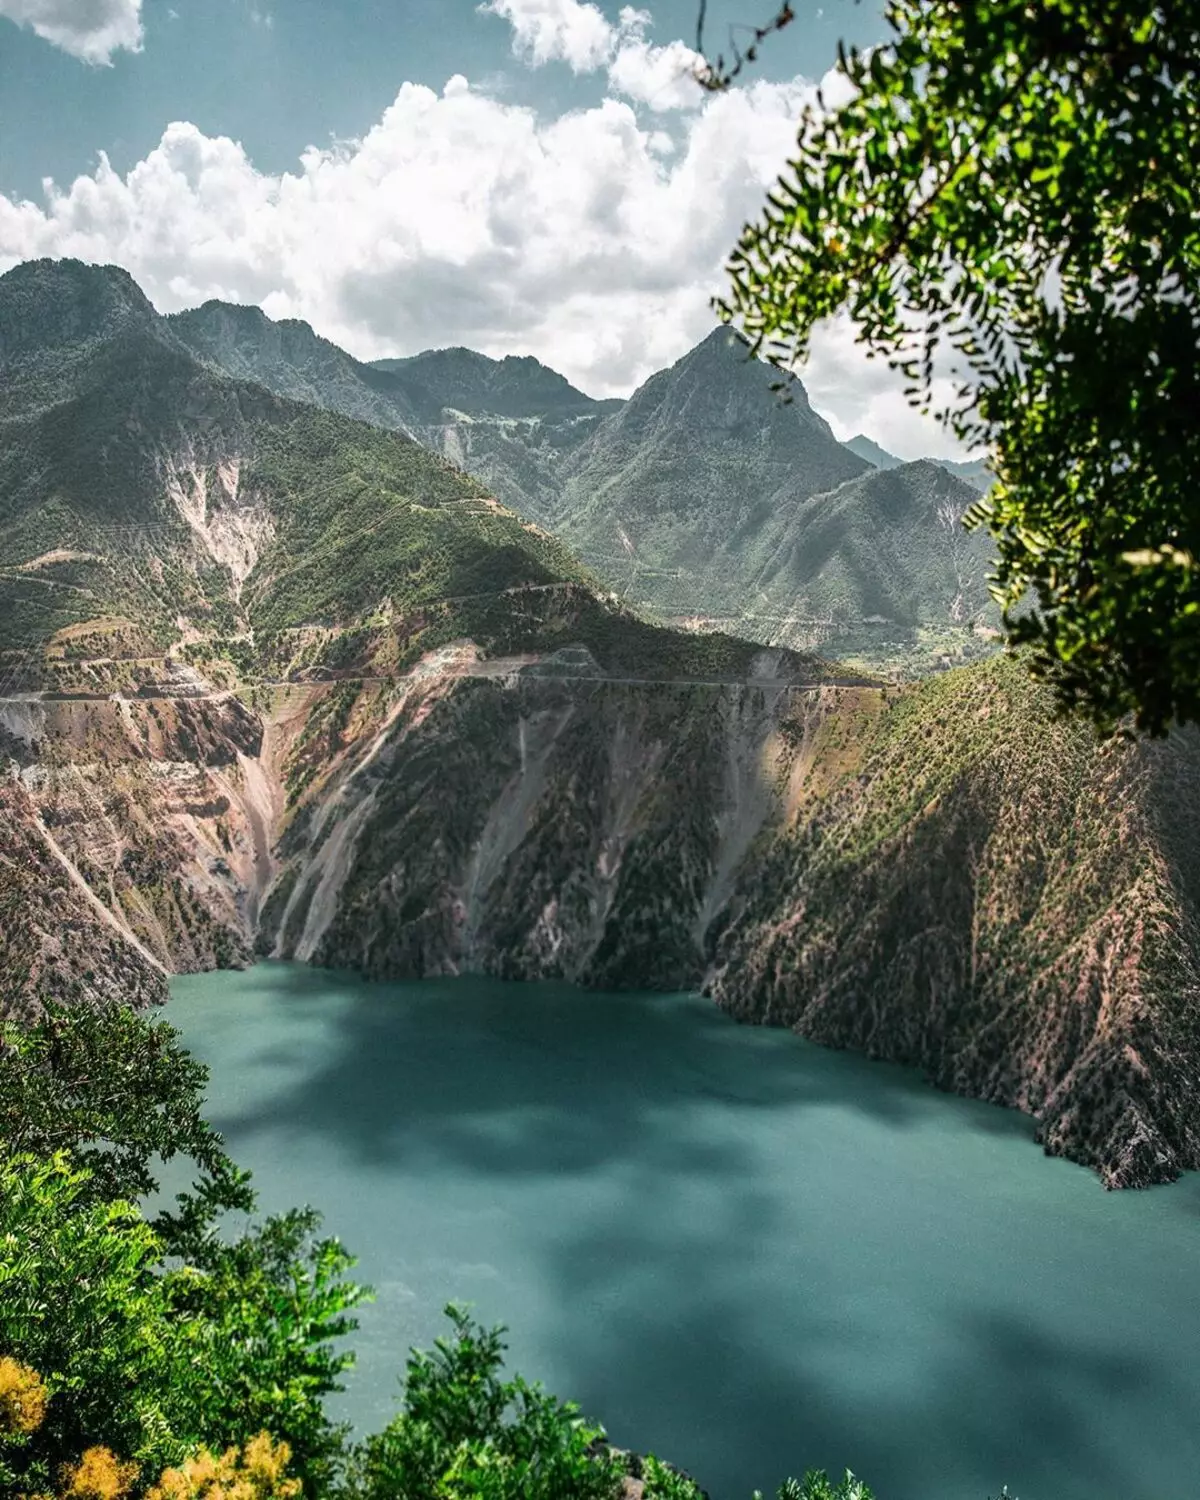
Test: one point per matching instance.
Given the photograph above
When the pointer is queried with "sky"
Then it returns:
(518, 176)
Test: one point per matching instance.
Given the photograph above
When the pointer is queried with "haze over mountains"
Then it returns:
(274, 680)
(974, 470)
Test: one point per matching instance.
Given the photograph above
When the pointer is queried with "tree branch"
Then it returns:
(717, 76)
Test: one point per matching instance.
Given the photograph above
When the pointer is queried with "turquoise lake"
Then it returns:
(740, 1251)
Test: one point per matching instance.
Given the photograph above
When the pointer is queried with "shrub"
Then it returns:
(149, 1359)
(256, 1472)
(467, 1434)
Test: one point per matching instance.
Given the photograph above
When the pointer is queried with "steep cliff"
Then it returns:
(133, 842)
(573, 826)
(941, 875)
(986, 892)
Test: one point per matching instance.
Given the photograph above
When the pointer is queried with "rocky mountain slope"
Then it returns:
(701, 499)
(290, 684)
(939, 874)
(175, 546)
(507, 421)
(713, 500)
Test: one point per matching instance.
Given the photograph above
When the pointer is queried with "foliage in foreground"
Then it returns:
(1018, 181)
(153, 1357)
(465, 1432)
(258, 1471)
(115, 1092)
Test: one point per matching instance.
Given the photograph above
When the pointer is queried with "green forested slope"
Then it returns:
(507, 421)
(694, 462)
(711, 499)
(149, 502)
(888, 545)
(696, 499)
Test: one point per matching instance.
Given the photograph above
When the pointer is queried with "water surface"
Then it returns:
(743, 1252)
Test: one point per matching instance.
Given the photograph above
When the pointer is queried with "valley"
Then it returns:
(280, 682)
(599, 751)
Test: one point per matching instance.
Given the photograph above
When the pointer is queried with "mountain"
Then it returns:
(972, 884)
(150, 501)
(274, 681)
(708, 499)
(888, 548)
(973, 471)
(191, 568)
(693, 462)
(517, 387)
(691, 499)
(288, 358)
(507, 421)
(867, 448)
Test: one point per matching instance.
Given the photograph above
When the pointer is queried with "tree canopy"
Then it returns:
(1009, 196)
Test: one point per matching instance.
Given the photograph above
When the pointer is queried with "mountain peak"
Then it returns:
(517, 385)
(869, 449)
(46, 304)
(717, 387)
(245, 314)
(215, 322)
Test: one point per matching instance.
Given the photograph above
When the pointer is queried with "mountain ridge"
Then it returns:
(601, 474)
(974, 471)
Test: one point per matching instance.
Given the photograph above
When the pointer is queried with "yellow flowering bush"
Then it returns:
(256, 1472)
(99, 1475)
(23, 1398)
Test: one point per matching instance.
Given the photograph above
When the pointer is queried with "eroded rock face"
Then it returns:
(990, 895)
(128, 843)
(943, 876)
(536, 829)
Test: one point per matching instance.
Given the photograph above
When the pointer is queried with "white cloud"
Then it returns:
(594, 240)
(662, 77)
(858, 394)
(557, 30)
(89, 29)
(578, 33)
(457, 219)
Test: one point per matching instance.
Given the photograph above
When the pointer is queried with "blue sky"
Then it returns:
(522, 176)
(279, 75)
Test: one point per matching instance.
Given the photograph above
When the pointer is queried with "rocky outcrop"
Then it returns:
(943, 876)
(536, 828)
(58, 940)
(988, 894)
(129, 848)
